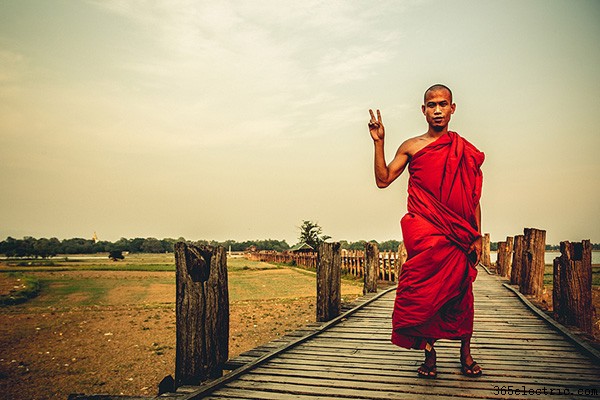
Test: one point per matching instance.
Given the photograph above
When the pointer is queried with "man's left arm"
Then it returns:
(477, 243)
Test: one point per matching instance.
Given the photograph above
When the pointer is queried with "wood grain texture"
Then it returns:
(329, 281)
(371, 268)
(572, 291)
(202, 313)
(532, 278)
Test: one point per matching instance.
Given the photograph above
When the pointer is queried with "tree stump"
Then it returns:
(572, 291)
(371, 268)
(329, 281)
(202, 313)
(517, 261)
(485, 250)
(532, 276)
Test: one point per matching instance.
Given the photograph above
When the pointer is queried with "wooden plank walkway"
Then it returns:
(520, 353)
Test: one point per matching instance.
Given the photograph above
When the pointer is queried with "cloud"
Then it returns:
(356, 63)
(236, 73)
(285, 41)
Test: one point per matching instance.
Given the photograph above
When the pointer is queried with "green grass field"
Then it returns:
(149, 279)
(132, 262)
(549, 275)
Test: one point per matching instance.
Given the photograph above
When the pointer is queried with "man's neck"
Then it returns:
(436, 133)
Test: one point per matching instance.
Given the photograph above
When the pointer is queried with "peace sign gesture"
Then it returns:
(376, 128)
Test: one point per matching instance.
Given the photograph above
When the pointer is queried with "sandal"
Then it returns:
(425, 371)
(472, 374)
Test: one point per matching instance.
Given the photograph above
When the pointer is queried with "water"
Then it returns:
(551, 255)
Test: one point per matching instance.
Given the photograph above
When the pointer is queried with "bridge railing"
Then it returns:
(352, 261)
(521, 260)
(202, 303)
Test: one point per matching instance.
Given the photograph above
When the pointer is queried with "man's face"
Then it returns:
(438, 108)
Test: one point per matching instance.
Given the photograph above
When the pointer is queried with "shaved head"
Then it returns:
(437, 86)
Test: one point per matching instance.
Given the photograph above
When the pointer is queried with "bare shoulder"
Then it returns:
(411, 146)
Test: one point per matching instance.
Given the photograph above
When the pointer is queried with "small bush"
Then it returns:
(116, 255)
(31, 288)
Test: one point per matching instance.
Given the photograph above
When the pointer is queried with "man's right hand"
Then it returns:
(376, 128)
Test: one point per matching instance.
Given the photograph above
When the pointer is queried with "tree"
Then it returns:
(312, 234)
(152, 245)
(389, 245)
(45, 247)
(116, 255)
(135, 245)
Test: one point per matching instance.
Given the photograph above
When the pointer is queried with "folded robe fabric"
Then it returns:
(434, 299)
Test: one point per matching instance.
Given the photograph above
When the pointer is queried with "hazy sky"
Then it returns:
(239, 119)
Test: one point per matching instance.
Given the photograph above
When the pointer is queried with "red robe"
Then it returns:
(434, 299)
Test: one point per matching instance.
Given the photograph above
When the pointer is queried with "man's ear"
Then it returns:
(452, 108)
(423, 109)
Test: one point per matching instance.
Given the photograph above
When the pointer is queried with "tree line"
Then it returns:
(43, 247)
(50, 247)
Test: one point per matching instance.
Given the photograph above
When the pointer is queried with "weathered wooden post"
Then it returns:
(202, 313)
(371, 268)
(504, 257)
(500, 252)
(517, 261)
(534, 248)
(402, 256)
(572, 291)
(329, 281)
(485, 250)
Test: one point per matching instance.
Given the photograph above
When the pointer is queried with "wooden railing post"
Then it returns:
(572, 291)
(505, 257)
(371, 268)
(500, 252)
(532, 277)
(329, 281)
(517, 261)
(202, 313)
(485, 250)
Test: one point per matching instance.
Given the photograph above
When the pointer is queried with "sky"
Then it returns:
(240, 119)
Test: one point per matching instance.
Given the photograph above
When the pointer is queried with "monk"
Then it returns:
(441, 232)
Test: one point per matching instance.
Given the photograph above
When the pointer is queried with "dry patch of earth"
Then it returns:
(53, 345)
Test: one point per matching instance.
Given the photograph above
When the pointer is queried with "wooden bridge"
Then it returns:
(523, 353)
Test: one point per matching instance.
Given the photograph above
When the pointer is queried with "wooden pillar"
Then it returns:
(505, 257)
(329, 281)
(202, 313)
(510, 245)
(500, 254)
(361, 264)
(517, 261)
(371, 268)
(572, 291)
(485, 250)
(385, 274)
(534, 248)
(387, 262)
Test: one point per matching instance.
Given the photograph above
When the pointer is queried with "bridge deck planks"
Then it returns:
(354, 359)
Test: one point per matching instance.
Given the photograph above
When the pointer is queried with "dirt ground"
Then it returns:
(50, 352)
